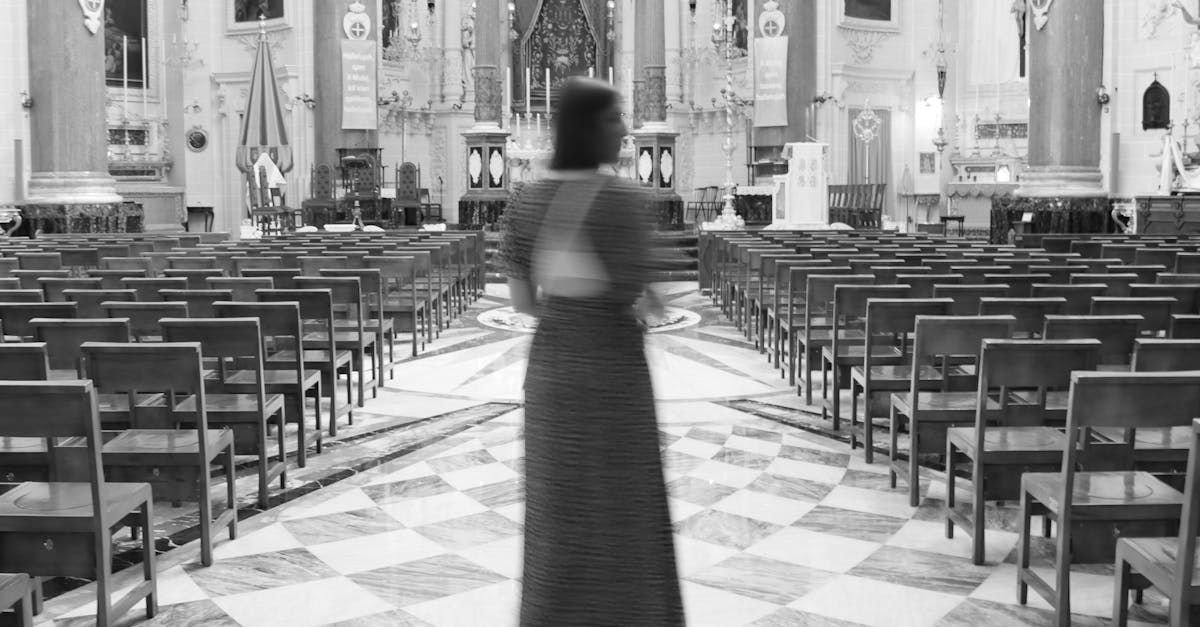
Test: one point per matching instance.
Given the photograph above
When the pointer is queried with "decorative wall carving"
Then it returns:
(654, 94)
(1151, 15)
(488, 100)
(863, 43)
(562, 40)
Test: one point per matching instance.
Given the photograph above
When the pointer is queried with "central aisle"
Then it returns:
(775, 525)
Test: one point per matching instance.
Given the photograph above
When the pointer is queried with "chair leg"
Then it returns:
(868, 428)
(231, 490)
(914, 465)
(206, 518)
(264, 463)
(1062, 574)
(1023, 549)
(979, 514)
(1122, 575)
(950, 480)
(281, 420)
(23, 610)
(894, 437)
(148, 572)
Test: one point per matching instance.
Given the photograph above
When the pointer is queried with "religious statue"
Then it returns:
(1187, 15)
(468, 45)
(1019, 8)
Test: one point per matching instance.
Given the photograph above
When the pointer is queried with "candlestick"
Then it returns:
(528, 90)
(547, 92)
(125, 75)
(508, 91)
(145, 83)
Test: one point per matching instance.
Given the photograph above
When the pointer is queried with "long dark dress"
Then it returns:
(598, 539)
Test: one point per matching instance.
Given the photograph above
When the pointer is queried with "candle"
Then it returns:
(507, 91)
(610, 75)
(591, 72)
(547, 92)
(527, 92)
(145, 75)
(125, 74)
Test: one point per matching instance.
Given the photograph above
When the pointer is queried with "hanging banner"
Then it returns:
(770, 81)
(358, 85)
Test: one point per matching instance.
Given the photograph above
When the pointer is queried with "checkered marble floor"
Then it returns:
(775, 525)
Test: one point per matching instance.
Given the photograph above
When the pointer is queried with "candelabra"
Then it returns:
(724, 39)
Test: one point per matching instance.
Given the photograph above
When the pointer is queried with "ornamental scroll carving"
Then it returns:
(863, 43)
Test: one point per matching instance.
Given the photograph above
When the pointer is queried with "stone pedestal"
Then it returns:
(486, 142)
(1066, 69)
(654, 158)
(68, 129)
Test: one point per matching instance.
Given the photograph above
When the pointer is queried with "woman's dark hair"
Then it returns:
(577, 124)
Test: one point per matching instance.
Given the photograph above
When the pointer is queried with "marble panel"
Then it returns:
(424, 580)
(303, 605)
(341, 526)
(262, 571)
(460, 461)
(792, 488)
(202, 613)
(787, 617)
(763, 578)
(468, 531)
(879, 604)
(745, 459)
(815, 550)
(725, 529)
(931, 571)
(500, 493)
(355, 555)
(850, 523)
(408, 489)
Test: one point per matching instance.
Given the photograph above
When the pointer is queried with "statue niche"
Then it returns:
(1156, 107)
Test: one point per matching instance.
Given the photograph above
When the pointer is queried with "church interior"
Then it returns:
(261, 363)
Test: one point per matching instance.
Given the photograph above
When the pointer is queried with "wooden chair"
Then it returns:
(192, 263)
(967, 296)
(90, 303)
(21, 361)
(279, 323)
(65, 337)
(1169, 278)
(199, 301)
(143, 317)
(1059, 274)
(949, 346)
(1030, 312)
(889, 324)
(31, 279)
(111, 279)
(1167, 563)
(10, 283)
(15, 317)
(817, 328)
(65, 529)
(1145, 274)
(787, 299)
(196, 278)
(401, 301)
(1019, 285)
(1079, 296)
(1018, 404)
(1119, 284)
(1115, 333)
(55, 288)
(1185, 326)
(850, 310)
(242, 289)
(281, 278)
(374, 320)
(241, 264)
(175, 462)
(237, 343)
(16, 596)
(1187, 295)
(316, 312)
(40, 261)
(22, 296)
(147, 289)
(126, 264)
(1187, 263)
(1155, 311)
(352, 335)
(1115, 494)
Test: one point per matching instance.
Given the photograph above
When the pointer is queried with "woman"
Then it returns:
(598, 538)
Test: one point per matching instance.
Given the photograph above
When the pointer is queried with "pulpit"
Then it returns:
(802, 200)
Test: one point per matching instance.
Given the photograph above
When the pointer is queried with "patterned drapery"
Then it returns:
(568, 36)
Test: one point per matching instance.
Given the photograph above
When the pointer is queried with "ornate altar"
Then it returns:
(1168, 215)
(125, 217)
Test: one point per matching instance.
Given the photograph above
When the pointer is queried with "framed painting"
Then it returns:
(928, 163)
(242, 15)
(878, 15)
(124, 30)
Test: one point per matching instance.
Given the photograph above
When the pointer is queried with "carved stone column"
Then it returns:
(1066, 49)
(654, 140)
(69, 134)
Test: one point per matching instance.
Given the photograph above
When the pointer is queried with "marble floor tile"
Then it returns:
(269, 539)
(820, 473)
(496, 604)
(725, 529)
(787, 617)
(693, 556)
(695, 448)
(815, 550)
(468, 531)
(764, 507)
(850, 523)
(408, 471)
(753, 444)
(509, 450)
(175, 587)
(680, 462)
(712, 607)
(699, 491)
(320, 503)
(394, 618)
(682, 509)
(708, 435)
(870, 501)
(976, 612)
(931, 536)
(478, 476)
(728, 474)
(759, 434)
(503, 556)
(459, 461)
(434, 509)
(262, 571)
(790, 488)
(877, 603)
(340, 526)
(763, 578)
(814, 456)
(371, 552)
(423, 580)
(931, 571)
(499, 493)
(303, 604)
(745, 459)
(203, 613)
(409, 489)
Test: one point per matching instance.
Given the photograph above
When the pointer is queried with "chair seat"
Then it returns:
(1160, 552)
(401, 305)
(371, 325)
(227, 406)
(1011, 440)
(315, 356)
(851, 354)
(942, 405)
(1056, 401)
(1108, 494)
(41, 507)
(344, 339)
(889, 376)
(1169, 439)
(165, 442)
(274, 380)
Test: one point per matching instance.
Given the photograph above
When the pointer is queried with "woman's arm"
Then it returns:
(523, 295)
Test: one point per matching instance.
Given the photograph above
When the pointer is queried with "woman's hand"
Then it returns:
(650, 305)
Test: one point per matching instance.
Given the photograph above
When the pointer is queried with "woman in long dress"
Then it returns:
(598, 537)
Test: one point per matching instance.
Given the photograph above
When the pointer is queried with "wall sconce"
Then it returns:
(26, 100)
(940, 142)
(512, 22)
(824, 97)
(692, 7)
(1102, 96)
(194, 107)
(432, 4)
(307, 100)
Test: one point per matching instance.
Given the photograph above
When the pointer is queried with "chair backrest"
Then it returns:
(191, 262)
(22, 296)
(1030, 312)
(199, 301)
(23, 361)
(91, 302)
(1185, 327)
(240, 264)
(312, 266)
(281, 278)
(31, 279)
(1159, 355)
(407, 182)
(1041, 366)
(370, 281)
(242, 288)
(111, 279)
(850, 301)
(40, 261)
(223, 339)
(15, 317)
(1187, 294)
(144, 317)
(196, 278)
(967, 296)
(1079, 297)
(315, 305)
(1118, 284)
(147, 289)
(1115, 333)
(54, 287)
(322, 182)
(398, 272)
(173, 369)
(125, 263)
(938, 338)
(1155, 311)
(64, 337)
